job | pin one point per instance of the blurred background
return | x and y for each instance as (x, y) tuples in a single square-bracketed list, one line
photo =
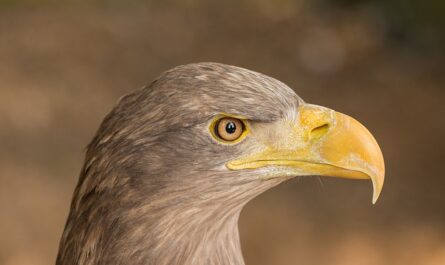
[(64, 64)]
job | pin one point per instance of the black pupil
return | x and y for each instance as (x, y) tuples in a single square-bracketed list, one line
[(230, 127)]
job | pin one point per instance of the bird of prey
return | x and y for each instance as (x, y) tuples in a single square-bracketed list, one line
[(171, 167)]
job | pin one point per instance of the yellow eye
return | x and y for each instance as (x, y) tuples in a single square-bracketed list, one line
[(229, 129)]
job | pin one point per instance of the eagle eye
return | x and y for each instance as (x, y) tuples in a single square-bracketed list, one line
[(228, 129)]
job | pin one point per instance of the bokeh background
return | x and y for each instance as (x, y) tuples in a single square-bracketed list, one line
[(64, 64)]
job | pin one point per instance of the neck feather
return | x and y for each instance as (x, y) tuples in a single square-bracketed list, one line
[(196, 237), (169, 226)]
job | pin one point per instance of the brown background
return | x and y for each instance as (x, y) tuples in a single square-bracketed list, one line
[(64, 64)]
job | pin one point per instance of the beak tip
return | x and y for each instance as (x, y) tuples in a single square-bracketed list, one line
[(374, 199), (377, 189)]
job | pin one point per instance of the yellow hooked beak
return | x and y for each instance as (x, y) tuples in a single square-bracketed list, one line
[(325, 143)]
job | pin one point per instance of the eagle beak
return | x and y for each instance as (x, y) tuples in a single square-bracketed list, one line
[(322, 142)]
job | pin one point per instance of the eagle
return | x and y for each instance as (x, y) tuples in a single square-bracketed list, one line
[(172, 165)]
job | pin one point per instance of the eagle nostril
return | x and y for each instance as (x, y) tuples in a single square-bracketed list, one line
[(319, 131)]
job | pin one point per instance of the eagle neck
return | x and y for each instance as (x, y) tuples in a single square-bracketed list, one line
[(197, 236)]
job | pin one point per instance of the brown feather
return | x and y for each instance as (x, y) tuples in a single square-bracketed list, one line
[(153, 189)]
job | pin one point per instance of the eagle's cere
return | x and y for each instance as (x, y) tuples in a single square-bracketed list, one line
[(171, 167)]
